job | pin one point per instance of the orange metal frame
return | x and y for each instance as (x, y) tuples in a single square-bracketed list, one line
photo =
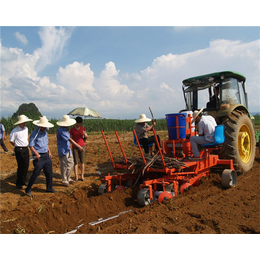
[(188, 175)]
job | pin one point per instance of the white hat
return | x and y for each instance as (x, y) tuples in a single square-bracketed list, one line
[(195, 114), (142, 118), (66, 121), (43, 122), (22, 119)]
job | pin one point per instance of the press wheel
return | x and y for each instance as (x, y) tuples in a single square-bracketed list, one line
[(143, 197), (102, 188), (229, 178)]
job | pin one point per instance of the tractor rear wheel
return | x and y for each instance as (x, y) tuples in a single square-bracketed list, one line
[(239, 142)]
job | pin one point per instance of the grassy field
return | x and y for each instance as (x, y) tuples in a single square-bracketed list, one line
[(91, 125), (257, 122), (98, 125)]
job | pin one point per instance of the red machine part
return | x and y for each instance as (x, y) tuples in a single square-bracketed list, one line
[(120, 187), (160, 178), (164, 195)]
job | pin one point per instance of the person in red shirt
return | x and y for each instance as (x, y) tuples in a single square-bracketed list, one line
[(79, 135)]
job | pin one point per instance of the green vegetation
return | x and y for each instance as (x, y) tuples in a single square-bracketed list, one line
[(257, 119), (97, 125), (91, 125)]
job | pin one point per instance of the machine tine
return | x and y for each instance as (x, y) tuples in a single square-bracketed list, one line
[(121, 147)]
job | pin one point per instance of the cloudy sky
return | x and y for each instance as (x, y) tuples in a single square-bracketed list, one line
[(119, 70)]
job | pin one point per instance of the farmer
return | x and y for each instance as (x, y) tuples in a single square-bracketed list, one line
[(63, 143), (2, 137), (39, 145), (214, 100), (77, 133), (142, 128), (206, 125), (19, 139)]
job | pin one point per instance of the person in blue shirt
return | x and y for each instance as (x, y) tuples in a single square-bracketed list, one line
[(65, 154), (39, 145), (2, 137)]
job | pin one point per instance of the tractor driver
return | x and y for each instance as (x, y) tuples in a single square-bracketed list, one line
[(206, 125), (214, 100)]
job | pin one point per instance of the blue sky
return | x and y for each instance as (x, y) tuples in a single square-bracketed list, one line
[(119, 70)]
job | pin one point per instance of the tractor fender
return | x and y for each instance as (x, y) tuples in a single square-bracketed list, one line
[(226, 109)]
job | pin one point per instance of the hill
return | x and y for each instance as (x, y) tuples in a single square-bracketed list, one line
[(29, 110)]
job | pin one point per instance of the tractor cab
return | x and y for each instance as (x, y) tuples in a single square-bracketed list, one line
[(223, 96), (216, 92)]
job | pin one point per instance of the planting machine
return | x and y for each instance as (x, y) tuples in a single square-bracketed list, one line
[(168, 180), (234, 146)]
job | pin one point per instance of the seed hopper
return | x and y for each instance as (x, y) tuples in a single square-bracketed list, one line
[(169, 171)]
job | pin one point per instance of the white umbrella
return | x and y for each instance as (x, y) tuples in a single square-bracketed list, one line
[(84, 111)]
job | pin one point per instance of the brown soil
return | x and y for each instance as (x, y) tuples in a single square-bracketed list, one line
[(206, 209)]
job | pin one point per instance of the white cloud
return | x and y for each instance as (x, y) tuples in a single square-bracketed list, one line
[(78, 78), (53, 42), (16, 64), (21, 38), (112, 94), (19, 80), (109, 86), (160, 83)]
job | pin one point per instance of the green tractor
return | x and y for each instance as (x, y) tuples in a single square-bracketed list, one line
[(223, 96)]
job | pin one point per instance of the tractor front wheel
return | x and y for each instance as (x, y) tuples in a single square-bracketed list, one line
[(239, 142)]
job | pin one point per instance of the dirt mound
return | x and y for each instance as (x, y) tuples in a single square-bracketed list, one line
[(207, 209)]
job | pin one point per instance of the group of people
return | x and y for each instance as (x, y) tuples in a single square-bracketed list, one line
[(39, 146), (41, 154), (206, 125)]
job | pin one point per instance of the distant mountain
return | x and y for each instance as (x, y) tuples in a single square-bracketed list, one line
[(29, 110), (255, 113)]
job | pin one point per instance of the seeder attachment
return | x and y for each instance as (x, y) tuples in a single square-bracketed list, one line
[(169, 171)]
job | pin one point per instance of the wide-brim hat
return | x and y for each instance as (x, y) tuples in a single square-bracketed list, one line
[(142, 118), (66, 121), (43, 122), (22, 119), (195, 114)]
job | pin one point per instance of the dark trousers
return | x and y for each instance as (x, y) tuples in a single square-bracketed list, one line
[(44, 163), (146, 141), (22, 158), (3, 145)]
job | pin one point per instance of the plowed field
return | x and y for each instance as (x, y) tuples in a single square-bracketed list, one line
[(206, 209)]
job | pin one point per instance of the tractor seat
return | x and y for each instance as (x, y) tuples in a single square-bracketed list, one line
[(149, 145), (219, 137)]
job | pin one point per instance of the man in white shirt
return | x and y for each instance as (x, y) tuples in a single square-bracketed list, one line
[(19, 139), (206, 126)]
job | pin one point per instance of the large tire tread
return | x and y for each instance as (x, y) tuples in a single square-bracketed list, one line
[(230, 150)]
